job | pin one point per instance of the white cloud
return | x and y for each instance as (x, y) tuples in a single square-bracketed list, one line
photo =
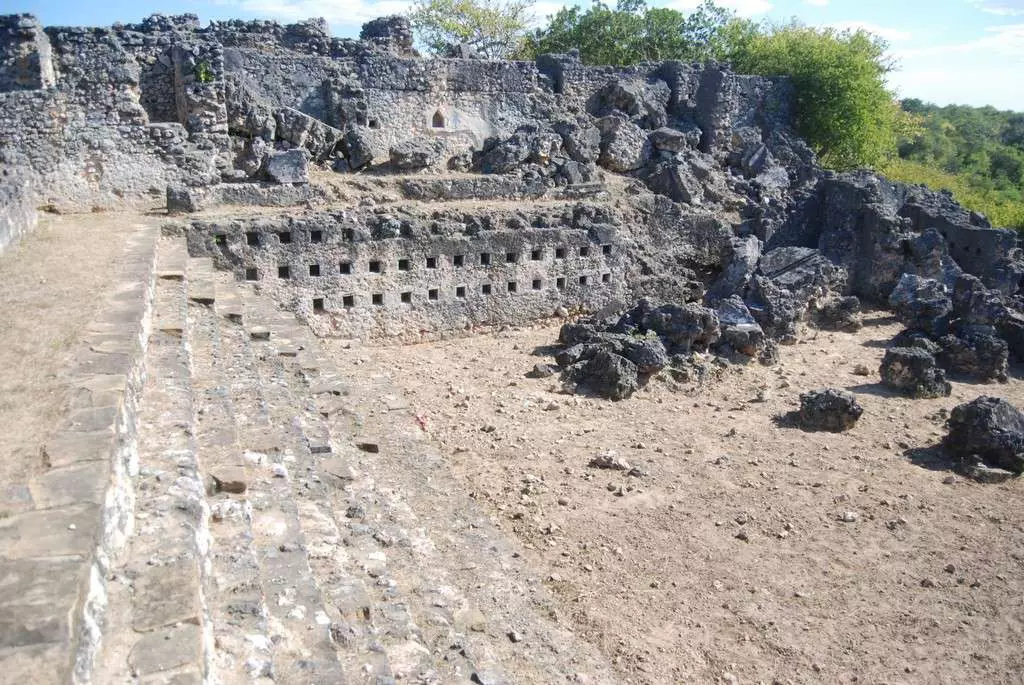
[(1007, 40), (982, 71), (744, 8), (886, 32), (816, 3), (1001, 7)]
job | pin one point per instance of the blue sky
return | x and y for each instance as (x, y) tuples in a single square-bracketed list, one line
[(947, 51)]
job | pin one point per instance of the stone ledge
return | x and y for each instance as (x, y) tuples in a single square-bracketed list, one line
[(60, 532)]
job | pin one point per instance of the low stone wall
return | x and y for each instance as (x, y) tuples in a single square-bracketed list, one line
[(399, 277), (17, 213), (79, 511)]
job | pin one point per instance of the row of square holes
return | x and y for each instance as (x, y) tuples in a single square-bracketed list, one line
[(252, 239), (434, 294), (377, 266)]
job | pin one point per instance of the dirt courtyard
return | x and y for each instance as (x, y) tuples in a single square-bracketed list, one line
[(739, 551)]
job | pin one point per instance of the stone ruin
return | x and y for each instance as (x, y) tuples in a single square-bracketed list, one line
[(378, 195)]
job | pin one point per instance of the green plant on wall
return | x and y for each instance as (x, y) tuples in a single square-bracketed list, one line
[(204, 73)]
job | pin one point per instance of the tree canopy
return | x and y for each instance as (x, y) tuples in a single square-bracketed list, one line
[(841, 105), (494, 28), (632, 32)]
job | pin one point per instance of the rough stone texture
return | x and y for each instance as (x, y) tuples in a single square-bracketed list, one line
[(914, 371), (829, 410), (990, 429), (922, 304), (288, 167), (624, 145), (978, 354), (17, 213), (415, 154)]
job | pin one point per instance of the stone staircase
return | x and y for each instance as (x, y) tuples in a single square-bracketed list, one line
[(295, 526)]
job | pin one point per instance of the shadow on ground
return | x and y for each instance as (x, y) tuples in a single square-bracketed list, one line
[(933, 458)]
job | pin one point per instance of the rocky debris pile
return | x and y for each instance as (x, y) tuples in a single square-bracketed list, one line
[(614, 356), (958, 325), (987, 436), (828, 410), (914, 372)]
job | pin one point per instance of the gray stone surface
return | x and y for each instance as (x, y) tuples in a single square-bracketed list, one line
[(990, 429), (829, 410), (291, 166), (913, 370)]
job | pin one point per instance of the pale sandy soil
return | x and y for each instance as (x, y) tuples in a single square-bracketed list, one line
[(926, 586), (51, 283)]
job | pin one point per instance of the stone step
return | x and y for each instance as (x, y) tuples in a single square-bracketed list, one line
[(229, 303), (156, 599), (370, 542), (237, 596), (407, 523), (259, 544), (200, 280), (173, 261)]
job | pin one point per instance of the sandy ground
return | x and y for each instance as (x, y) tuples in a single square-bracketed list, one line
[(728, 560), (51, 282)]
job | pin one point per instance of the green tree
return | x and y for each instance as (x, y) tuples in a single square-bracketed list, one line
[(494, 28), (841, 104), (633, 32)]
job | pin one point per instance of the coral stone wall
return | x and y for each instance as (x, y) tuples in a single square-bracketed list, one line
[(413, 278)]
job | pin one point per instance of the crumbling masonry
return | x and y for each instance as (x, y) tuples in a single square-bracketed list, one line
[(379, 195)]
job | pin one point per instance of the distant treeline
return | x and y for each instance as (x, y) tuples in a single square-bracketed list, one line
[(975, 152)]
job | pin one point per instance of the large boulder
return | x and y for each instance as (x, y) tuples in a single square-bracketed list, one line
[(988, 428), (922, 304), (829, 410), (776, 309), (582, 142), (291, 166), (675, 179), (913, 371), (685, 326), (415, 154), (740, 332), (673, 140), (304, 131), (605, 374), (530, 144), (647, 353), (643, 101), (357, 148), (976, 354), (624, 145)]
